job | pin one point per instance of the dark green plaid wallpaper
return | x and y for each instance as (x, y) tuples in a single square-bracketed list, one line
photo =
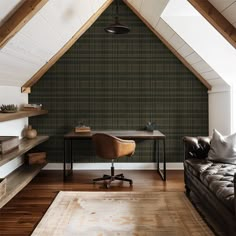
[(120, 82)]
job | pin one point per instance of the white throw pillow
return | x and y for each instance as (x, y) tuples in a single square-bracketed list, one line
[(223, 148)]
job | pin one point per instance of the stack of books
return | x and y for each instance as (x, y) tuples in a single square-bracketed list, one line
[(82, 129), (8, 143), (32, 107)]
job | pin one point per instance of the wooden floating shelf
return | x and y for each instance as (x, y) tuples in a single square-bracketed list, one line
[(24, 146), (21, 114), (18, 179)]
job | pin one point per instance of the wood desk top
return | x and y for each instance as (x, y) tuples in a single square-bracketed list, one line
[(129, 134)]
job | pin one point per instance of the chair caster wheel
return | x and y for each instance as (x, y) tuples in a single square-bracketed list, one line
[(107, 185), (131, 183)]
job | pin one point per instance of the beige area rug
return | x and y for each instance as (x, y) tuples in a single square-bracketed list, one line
[(122, 213)]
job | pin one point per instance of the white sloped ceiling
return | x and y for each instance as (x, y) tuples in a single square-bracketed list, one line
[(54, 25), (217, 64), (42, 37), (7, 8), (193, 58), (227, 8), (178, 43)]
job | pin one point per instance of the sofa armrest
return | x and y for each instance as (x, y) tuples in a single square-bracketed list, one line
[(196, 147)]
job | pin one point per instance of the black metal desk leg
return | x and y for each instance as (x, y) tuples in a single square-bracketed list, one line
[(71, 157), (164, 159), (162, 173), (64, 164), (67, 152), (157, 155)]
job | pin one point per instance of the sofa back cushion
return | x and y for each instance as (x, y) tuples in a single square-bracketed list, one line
[(223, 148)]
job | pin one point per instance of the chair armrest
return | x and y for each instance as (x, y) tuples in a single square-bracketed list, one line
[(196, 147)]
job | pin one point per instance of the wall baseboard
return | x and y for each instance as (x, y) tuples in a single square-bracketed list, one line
[(121, 166)]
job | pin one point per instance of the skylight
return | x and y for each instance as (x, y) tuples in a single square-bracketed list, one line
[(202, 37)]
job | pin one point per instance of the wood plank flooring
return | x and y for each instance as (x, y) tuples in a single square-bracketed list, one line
[(21, 215)]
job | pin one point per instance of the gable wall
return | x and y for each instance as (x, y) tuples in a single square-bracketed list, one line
[(120, 82)]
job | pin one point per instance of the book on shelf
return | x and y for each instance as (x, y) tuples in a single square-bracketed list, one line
[(32, 107), (37, 158), (8, 143), (82, 129)]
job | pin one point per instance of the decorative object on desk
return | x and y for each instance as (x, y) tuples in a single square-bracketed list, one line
[(8, 143), (2, 187), (81, 128), (32, 107), (36, 158), (150, 126), (10, 108), (30, 133)]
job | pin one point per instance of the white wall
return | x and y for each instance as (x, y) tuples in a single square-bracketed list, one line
[(233, 107), (220, 114), (12, 95), (217, 53)]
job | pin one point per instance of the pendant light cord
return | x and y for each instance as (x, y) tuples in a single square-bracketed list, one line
[(117, 11)]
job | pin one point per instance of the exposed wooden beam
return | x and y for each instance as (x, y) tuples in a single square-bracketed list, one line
[(168, 45), (216, 19), (62, 51), (19, 18)]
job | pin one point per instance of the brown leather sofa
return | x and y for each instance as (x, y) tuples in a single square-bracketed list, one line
[(213, 183)]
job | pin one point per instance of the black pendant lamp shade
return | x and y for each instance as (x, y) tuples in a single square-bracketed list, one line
[(117, 27)]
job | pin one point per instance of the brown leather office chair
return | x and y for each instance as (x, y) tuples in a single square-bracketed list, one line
[(111, 147)]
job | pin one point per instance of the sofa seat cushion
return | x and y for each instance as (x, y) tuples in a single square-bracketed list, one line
[(197, 166), (219, 178)]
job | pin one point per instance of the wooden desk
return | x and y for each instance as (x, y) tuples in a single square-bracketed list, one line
[(123, 134)]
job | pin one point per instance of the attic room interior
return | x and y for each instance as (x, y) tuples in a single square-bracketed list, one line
[(92, 89)]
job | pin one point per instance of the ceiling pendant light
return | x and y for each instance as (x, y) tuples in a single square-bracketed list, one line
[(117, 27)]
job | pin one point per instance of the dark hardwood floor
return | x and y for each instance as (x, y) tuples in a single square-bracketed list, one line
[(21, 215)]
